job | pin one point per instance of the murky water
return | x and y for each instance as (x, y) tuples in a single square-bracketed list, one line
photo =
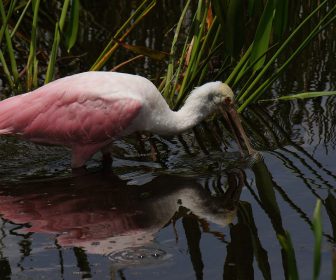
[(192, 213)]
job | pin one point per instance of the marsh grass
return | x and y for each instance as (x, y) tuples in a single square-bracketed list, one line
[(259, 65), (254, 52), (135, 18), (65, 32)]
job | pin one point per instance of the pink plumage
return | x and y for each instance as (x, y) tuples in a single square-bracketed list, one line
[(66, 113)]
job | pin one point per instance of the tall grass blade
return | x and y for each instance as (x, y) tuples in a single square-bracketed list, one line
[(215, 46), (262, 36), (151, 53), (333, 277), (117, 34), (281, 17), (330, 205), (20, 19), (219, 7), (172, 54), (4, 18), (234, 27), (245, 214), (35, 71), (32, 48), (52, 60), (175, 77), (57, 39), (9, 44), (140, 13), (240, 252), (253, 6), (265, 185), (239, 68), (208, 42), (197, 50), (64, 14), (317, 229), (247, 69), (261, 74), (287, 245), (303, 95), (117, 67), (72, 29), (256, 94), (266, 190), (6, 70)]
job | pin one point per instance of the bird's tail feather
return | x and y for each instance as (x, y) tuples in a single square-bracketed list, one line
[(5, 131)]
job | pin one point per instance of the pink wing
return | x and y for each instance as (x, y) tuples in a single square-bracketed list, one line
[(62, 119), (83, 122)]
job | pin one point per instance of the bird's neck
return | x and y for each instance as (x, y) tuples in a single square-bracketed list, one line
[(175, 122)]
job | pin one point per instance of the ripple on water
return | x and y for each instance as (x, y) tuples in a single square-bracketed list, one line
[(24, 160), (138, 256)]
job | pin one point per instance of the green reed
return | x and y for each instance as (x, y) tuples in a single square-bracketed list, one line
[(287, 245), (139, 14), (219, 23), (252, 93), (217, 29), (70, 35), (9, 46), (65, 35), (32, 60)]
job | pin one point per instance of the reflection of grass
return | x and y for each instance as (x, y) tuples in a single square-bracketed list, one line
[(245, 216), (246, 221), (267, 200)]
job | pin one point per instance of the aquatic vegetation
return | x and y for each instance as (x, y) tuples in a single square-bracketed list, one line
[(253, 51)]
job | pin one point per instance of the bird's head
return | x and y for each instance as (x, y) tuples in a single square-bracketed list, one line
[(213, 95), (218, 96), (221, 95)]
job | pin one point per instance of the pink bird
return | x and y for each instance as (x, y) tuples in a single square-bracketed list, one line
[(87, 111)]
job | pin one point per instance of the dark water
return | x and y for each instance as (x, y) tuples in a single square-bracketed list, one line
[(194, 212)]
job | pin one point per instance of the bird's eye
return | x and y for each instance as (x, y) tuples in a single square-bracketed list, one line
[(228, 101)]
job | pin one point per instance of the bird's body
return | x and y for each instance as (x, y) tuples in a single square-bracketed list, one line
[(87, 111)]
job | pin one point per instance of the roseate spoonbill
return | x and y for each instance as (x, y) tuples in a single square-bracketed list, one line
[(87, 111)]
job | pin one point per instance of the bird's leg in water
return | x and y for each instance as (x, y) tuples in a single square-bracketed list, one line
[(154, 150), (107, 159)]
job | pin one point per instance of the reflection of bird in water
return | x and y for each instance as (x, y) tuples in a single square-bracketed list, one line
[(87, 111), (104, 215)]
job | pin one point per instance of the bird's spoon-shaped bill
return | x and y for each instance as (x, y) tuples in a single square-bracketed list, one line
[(233, 120)]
